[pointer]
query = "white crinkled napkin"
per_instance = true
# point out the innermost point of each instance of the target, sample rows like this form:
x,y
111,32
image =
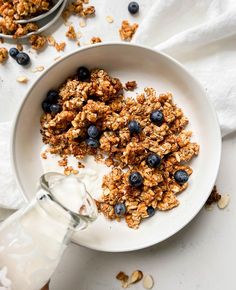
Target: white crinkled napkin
x,y
201,34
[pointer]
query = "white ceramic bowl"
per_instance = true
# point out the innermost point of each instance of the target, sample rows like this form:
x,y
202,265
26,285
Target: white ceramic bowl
x,y
148,68
44,23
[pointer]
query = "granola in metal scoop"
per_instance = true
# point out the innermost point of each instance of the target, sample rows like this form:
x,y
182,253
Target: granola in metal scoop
x,y
142,139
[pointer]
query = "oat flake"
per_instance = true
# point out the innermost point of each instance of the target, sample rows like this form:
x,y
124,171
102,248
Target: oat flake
x,y
148,282
223,202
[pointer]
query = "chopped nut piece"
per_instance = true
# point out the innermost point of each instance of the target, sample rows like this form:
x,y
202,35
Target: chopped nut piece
x,y
95,40
51,40
37,41
110,19
122,276
223,202
82,23
135,277
130,86
3,54
148,282
127,30
38,69
22,79
44,155
60,46
71,32
214,196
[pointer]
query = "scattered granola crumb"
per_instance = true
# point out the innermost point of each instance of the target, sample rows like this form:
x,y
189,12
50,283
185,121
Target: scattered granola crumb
x,y
44,155
68,170
38,69
19,46
214,196
71,33
78,43
37,41
1,40
60,46
121,276
131,85
80,165
127,30
95,40
135,277
148,282
63,162
3,54
22,79
51,40
110,19
75,171
224,201
79,34
82,23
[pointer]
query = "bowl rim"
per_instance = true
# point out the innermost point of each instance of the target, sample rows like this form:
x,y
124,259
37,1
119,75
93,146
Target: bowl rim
x,y
217,144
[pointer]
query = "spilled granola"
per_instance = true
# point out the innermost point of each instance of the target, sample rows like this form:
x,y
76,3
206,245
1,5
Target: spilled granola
x,y
98,101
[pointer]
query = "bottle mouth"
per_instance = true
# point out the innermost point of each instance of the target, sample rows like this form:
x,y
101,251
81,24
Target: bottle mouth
x,y
87,209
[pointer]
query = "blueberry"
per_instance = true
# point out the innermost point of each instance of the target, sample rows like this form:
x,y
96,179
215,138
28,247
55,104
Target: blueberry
x,y
134,127
157,117
52,97
181,176
83,73
153,160
150,211
93,131
13,52
46,107
92,142
22,58
120,209
135,179
133,7
55,108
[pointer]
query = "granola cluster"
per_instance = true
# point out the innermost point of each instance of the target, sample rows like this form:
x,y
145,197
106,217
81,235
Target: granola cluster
x,y
127,30
3,54
78,7
13,10
101,101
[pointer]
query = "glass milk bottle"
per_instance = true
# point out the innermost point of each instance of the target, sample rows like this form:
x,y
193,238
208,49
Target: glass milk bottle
x,y
34,238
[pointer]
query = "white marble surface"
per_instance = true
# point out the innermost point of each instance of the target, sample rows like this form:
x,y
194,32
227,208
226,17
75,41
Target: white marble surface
x,y
201,256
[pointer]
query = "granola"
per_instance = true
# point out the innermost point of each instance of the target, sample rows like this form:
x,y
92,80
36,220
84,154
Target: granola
x,y
21,9
95,40
127,30
37,41
71,33
100,101
3,54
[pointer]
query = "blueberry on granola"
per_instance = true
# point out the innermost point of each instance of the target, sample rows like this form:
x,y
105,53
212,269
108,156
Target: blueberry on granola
x,y
83,73
134,127
120,209
55,108
133,7
135,179
150,211
13,52
46,107
157,117
52,97
153,160
22,58
93,143
181,176
93,131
